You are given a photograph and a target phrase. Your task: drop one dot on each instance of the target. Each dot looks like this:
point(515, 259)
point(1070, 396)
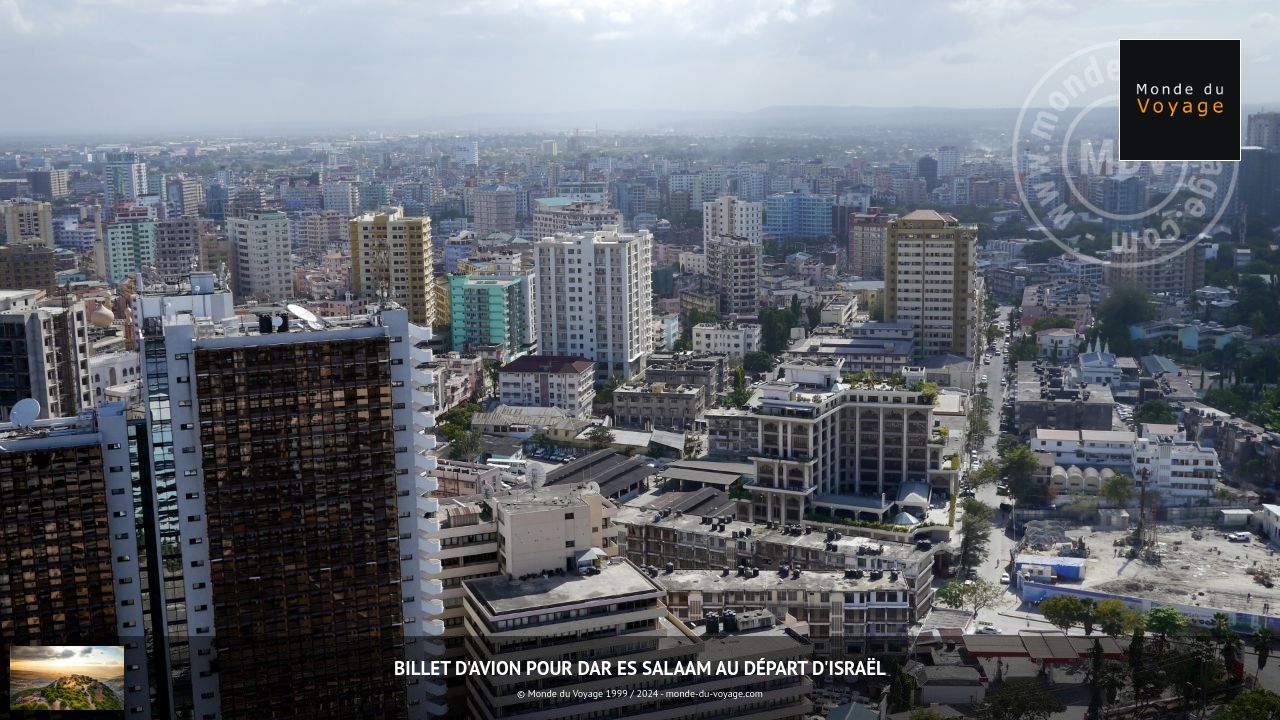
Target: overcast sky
point(146, 65)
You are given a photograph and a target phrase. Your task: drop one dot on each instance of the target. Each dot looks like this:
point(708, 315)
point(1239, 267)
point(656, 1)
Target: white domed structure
point(102, 317)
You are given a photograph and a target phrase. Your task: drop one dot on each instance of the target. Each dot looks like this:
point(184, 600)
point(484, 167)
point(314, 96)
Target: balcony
point(431, 566)
point(419, 333)
point(431, 587)
point(431, 526)
point(424, 420)
point(427, 504)
point(428, 483)
point(434, 687)
point(433, 648)
point(424, 398)
point(434, 606)
point(430, 546)
point(421, 355)
point(426, 463)
point(423, 376)
point(434, 628)
point(424, 440)
point(436, 709)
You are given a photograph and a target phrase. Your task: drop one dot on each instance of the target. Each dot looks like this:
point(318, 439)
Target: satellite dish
point(25, 412)
point(307, 317)
point(591, 488)
point(277, 321)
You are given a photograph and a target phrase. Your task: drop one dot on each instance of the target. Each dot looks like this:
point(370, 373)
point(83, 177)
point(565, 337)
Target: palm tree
point(1232, 649)
point(1262, 645)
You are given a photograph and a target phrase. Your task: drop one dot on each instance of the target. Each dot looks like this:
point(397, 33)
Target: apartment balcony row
point(424, 441)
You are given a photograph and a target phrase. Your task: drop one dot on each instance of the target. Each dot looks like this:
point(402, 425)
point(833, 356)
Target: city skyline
point(210, 58)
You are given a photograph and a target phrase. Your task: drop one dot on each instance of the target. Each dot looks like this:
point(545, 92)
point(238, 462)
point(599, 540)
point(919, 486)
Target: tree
point(973, 594)
point(1262, 646)
point(975, 532)
point(1118, 489)
point(465, 445)
point(600, 437)
point(987, 472)
point(1018, 468)
point(1115, 618)
point(1137, 659)
point(1127, 304)
point(1256, 704)
point(1063, 611)
point(739, 396)
point(876, 309)
point(605, 393)
point(1166, 622)
point(1006, 443)
point(1020, 699)
point(1097, 694)
point(925, 714)
point(757, 362)
point(1050, 322)
point(1154, 411)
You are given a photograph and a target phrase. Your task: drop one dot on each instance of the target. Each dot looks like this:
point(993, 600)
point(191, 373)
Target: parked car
point(1004, 578)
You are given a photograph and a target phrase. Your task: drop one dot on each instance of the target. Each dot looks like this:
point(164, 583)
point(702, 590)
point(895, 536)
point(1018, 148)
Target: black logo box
point(1189, 65)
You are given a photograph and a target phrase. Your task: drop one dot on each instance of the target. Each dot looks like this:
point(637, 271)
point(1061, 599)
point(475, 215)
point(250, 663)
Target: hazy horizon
point(146, 66)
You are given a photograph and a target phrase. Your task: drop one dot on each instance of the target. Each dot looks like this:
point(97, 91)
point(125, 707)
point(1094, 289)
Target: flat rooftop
point(637, 512)
point(770, 579)
point(617, 580)
point(1209, 572)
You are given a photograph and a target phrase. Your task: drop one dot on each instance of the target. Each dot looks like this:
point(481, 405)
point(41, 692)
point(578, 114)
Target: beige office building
point(28, 221)
point(391, 257)
point(931, 280)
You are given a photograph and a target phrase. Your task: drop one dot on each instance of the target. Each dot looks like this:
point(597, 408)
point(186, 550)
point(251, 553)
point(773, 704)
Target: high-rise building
point(320, 231)
point(124, 178)
point(1122, 200)
point(466, 152)
point(70, 565)
point(557, 215)
point(1264, 131)
point(948, 161)
point(127, 248)
point(734, 266)
point(797, 214)
point(494, 209)
point(177, 247)
point(262, 267)
point(868, 233)
point(931, 280)
point(595, 299)
point(44, 355)
point(489, 315)
point(28, 267)
point(291, 471)
point(49, 184)
point(927, 168)
point(1258, 183)
point(27, 221)
point(378, 242)
point(184, 196)
point(729, 216)
point(342, 197)
point(1160, 267)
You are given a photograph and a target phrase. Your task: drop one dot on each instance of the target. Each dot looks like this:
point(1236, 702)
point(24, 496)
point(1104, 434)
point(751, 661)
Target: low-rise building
point(709, 371)
point(549, 381)
point(726, 339)
point(661, 406)
point(1174, 466)
point(1057, 343)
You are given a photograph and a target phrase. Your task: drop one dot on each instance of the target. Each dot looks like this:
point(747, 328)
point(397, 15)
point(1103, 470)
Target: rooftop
point(617, 580)
point(769, 579)
point(548, 363)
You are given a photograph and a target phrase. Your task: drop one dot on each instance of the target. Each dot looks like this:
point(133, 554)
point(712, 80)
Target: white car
point(985, 378)
point(1004, 578)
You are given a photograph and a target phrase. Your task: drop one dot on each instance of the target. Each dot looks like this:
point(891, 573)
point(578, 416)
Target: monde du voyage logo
point(1180, 100)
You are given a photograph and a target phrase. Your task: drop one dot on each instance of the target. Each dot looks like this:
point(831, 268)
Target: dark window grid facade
point(56, 580)
point(298, 457)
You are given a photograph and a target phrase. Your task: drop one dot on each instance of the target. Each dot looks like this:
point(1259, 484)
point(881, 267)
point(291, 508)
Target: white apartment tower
point(595, 295)
point(727, 215)
point(262, 266)
point(343, 197)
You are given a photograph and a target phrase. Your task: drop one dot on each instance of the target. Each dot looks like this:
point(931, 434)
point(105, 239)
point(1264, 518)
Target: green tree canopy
point(1118, 489)
point(1155, 411)
point(1020, 699)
